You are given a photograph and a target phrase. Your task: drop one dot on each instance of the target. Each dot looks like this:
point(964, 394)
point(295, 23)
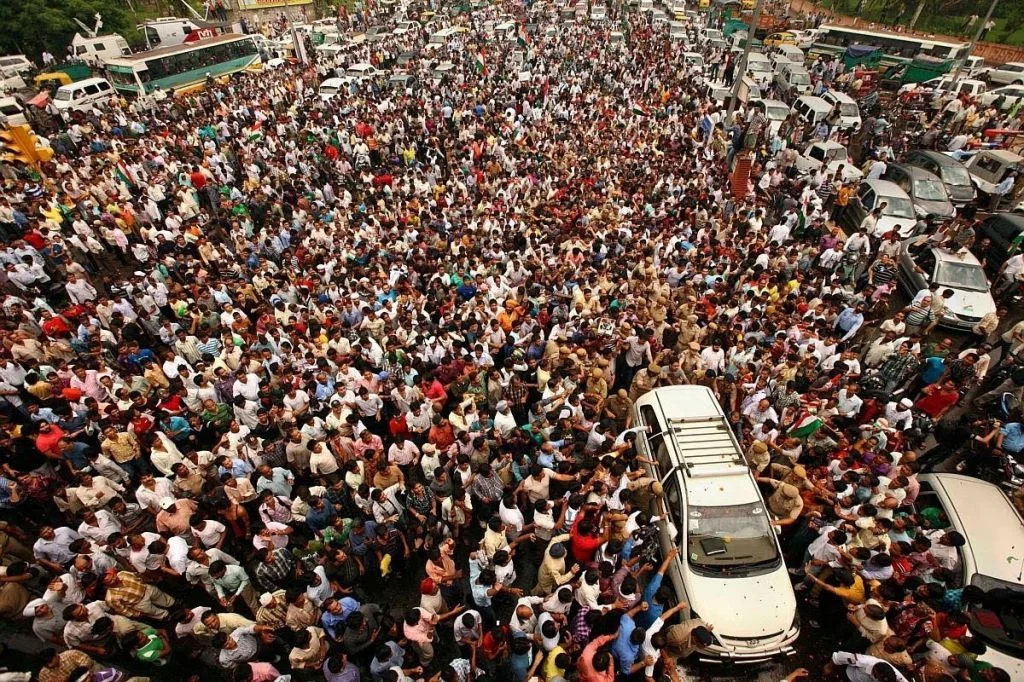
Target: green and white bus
point(898, 48)
point(181, 68)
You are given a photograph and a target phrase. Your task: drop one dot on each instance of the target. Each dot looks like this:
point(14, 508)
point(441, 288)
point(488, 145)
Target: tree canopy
point(31, 26)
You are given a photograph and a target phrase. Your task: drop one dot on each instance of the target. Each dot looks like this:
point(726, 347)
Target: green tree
point(31, 26)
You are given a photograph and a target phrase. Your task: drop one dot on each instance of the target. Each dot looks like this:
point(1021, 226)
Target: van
point(989, 167)
point(12, 112)
point(990, 560)
point(440, 38)
point(811, 110)
point(12, 64)
point(792, 80)
point(166, 31)
point(792, 53)
point(505, 31)
point(694, 59)
point(849, 112)
point(96, 50)
point(729, 568)
point(81, 95)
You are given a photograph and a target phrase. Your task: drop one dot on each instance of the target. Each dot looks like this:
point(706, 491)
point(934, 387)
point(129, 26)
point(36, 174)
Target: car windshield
point(727, 537)
point(800, 79)
point(63, 95)
point(995, 620)
point(329, 90)
point(929, 190)
point(961, 276)
point(777, 113)
point(898, 207)
point(956, 175)
point(849, 109)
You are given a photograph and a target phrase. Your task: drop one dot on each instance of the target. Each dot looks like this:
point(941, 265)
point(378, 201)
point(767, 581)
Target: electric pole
point(739, 72)
point(970, 48)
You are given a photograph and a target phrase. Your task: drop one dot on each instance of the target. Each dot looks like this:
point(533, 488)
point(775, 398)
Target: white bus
point(183, 67)
point(836, 39)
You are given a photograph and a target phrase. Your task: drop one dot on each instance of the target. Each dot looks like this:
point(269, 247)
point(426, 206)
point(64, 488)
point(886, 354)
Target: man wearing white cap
point(900, 414)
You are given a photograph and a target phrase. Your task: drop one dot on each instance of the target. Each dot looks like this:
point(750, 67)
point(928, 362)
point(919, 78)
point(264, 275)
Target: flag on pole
point(481, 64)
point(805, 425)
point(524, 37)
point(256, 131)
point(640, 110)
point(122, 174)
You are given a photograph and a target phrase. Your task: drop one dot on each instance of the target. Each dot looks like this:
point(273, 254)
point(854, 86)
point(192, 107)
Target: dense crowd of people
point(340, 388)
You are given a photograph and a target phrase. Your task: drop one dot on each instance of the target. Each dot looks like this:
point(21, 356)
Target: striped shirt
point(919, 316)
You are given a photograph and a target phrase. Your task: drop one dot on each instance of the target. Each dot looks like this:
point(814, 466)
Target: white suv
point(729, 568)
point(1011, 73)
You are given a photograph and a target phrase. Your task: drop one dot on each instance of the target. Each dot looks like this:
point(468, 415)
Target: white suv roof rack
point(705, 446)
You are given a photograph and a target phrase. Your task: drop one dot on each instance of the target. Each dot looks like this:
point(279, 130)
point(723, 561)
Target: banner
point(264, 4)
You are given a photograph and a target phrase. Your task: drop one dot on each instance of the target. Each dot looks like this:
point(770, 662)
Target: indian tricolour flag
point(805, 425)
point(481, 63)
point(524, 36)
point(640, 109)
point(256, 131)
point(123, 175)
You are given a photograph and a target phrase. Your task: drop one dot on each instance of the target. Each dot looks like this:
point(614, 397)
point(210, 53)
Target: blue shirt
point(623, 649)
point(654, 610)
point(520, 663)
point(932, 368)
point(480, 596)
point(849, 319)
point(1013, 437)
point(317, 520)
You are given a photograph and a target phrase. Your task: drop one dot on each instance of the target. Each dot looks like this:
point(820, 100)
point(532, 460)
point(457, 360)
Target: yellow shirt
point(551, 669)
point(854, 594)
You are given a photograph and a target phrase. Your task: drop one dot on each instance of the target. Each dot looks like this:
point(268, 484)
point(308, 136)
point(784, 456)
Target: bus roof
point(176, 49)
point(885, 34)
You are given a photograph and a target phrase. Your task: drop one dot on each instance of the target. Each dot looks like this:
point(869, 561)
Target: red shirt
point(936, 401)
point(47, 442)
point(584, 546)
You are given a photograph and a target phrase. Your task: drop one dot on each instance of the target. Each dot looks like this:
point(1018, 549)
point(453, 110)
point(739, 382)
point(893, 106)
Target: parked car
point(759, 65)
point(361, 72)
point(897, 209)
point(989, 167)
point(811, 110)
point(805, 39)
point(925, 190)
point(793, 80)
point(775, 111)
point(403, 27)
point(400, 80)
point(987, 519)
point(849, 112)
point(441, 71)
point(1003, 98)
point(964, 86)
point(832, 155)
point(15, 64)
point(782, 38)
point(1004, 232)
point(960, 271)
point(331, 87)
point(954, 174)
point(694, 58)
point(375, 33)
point(1011, 73)
point(729, 567)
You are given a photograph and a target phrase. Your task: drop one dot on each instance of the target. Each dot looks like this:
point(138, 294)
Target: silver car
point(961, 273)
